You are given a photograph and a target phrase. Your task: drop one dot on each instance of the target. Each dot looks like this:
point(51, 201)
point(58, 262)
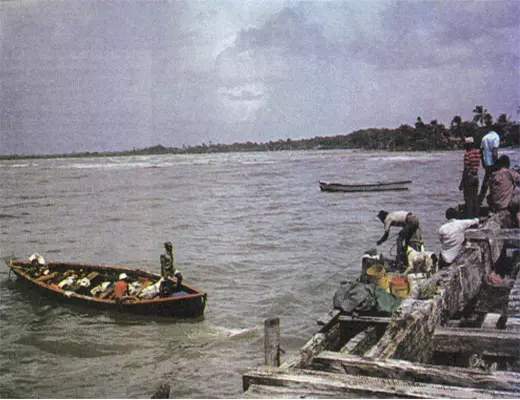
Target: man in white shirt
point(451, 236)
point(489, 155)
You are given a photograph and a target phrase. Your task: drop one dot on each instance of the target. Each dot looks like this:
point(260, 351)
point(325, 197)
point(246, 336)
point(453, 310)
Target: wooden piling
point(272, 342)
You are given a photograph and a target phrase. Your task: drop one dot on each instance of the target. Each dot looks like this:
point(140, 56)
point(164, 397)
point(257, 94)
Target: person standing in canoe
point(469, 181)
point(410, 235)
point(168, 268)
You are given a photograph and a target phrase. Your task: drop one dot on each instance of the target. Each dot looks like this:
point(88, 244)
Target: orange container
point(400, 286)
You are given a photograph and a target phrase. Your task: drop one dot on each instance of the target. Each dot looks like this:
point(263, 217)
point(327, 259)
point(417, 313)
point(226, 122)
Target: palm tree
point(503, 119)
point(455, 126)
point(480, 113)
point(488, 119)
point(456, 121)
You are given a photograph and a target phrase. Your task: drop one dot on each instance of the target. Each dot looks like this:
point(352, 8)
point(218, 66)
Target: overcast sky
point(113, 75)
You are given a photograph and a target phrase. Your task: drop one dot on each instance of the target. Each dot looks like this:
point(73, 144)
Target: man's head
point(36, 259)
point(382, 215)
point(451, 213)
point(123, 276)
point(497, 128)
point(503, 162)
point(469, 142)
point(168, 246)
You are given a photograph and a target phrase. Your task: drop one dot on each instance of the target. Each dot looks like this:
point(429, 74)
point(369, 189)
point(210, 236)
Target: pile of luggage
point(375, 291)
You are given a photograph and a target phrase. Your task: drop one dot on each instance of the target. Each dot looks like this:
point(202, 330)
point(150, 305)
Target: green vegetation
point(423, 137)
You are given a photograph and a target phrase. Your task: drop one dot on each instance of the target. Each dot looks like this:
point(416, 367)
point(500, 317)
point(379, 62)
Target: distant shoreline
point(425, 137)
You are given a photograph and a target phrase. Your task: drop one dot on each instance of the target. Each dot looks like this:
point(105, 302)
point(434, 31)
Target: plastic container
point(376, 274)
point(400, 286)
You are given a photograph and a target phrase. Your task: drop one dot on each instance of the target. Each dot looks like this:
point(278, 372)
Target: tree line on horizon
point(420, 137)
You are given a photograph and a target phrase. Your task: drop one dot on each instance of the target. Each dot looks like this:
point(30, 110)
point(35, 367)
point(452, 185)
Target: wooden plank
point(327, 320)
point(365, 386)
point(493, 234)
point(492, 343)
point(274, 392)
point(365, 319)
point(513, 306)
point(362, 342)
point(502, 322)
point(272, 341)
point(319, 342)
point(405, 370)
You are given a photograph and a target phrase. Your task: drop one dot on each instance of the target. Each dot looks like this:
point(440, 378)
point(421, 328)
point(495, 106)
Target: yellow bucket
point(400, 286)
point(376, 274)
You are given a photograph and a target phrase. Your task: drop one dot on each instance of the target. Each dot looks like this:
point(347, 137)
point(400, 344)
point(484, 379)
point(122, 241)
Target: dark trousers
point(485, 184)
point(471, 196)
point(411, 236)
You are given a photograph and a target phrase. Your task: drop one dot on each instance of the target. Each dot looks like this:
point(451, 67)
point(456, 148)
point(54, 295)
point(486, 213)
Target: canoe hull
point(375, 187)
point(189, 302)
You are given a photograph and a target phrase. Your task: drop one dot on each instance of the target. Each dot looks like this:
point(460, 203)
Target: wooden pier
point(454, 337)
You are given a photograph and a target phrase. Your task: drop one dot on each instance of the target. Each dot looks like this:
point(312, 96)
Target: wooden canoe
point(361, 187)
point(183, 301)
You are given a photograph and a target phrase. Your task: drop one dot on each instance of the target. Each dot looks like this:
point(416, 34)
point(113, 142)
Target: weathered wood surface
point(327, 320)
point(493, 343)
point(362, 342)
point(276, 392)
point(318, 343)
point(411, 329)
point(493, 234)
point(344, 385)
point(364, 319)
point(272, 341)
point(495, 321)
point(415, 372)
point(495, 237)
point(492, 299)
point(513, 307)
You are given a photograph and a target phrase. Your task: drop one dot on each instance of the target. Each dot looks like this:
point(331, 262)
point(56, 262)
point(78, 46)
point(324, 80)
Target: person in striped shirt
point(469, 182)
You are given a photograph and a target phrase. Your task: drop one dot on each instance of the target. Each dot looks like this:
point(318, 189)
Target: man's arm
point(516, 176)
point(383, 238)
point(494, 151)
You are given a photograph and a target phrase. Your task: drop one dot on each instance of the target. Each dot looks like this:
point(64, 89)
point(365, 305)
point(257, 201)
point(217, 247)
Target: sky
point(107, 75)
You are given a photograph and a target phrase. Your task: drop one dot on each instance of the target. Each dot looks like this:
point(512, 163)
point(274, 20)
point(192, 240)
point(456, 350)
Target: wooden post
point(272, 342)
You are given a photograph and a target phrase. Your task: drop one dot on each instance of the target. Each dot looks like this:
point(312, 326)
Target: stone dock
point(457, 335)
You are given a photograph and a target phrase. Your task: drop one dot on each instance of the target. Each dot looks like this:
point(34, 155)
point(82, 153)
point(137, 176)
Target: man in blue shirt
point(489, 155)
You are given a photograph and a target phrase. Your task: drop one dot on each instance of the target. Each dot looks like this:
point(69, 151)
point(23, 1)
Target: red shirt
point(471, 161)
point(120, 288)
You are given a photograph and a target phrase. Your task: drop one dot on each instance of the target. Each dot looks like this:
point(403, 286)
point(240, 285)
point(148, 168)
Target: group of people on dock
point(499, 180)
point(503, 200)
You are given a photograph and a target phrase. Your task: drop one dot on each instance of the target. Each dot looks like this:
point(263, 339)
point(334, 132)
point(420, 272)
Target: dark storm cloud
point(97, 75)
point(431, 34)
point(287, 30)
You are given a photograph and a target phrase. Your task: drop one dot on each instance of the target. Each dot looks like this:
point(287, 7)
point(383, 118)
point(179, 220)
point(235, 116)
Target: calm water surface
point(253, 230)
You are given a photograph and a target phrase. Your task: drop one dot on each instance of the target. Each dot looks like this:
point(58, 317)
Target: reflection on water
point(253, 230)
